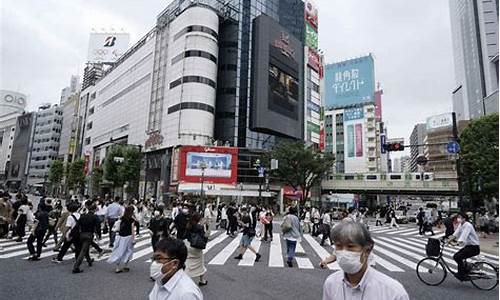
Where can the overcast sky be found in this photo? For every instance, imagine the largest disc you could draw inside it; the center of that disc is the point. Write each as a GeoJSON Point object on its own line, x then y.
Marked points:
{"type": "Point", "coordinates": [44, 42]}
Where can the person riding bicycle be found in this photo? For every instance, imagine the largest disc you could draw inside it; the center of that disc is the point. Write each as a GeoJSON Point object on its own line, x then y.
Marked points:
{"type": "Point", "coordinates": [466, 235]}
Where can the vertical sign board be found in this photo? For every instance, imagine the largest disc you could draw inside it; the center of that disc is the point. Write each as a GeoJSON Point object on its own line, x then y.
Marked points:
{"type": "Point", "coordinates": [311, 14]}
{"type": "Point", "coordinates": [378, 105]}
{"type": "Point", "coordinates": [350, 82]}
{"type": "Point", "coordinates": [350, 140]}
{"type": "Point", "coordinates": [311, 37]}
{"type": "Point", "coordinates": [359, 139]}
{"type": "Point", "coordinates": [353, 140]}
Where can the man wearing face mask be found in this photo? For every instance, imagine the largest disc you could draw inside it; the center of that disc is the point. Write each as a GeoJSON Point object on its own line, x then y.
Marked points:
{"type": "Point", "coordinates": [167, 269]}
{"type": "Point", "coordinates": [357, 280]}
{"type": "Point", "coordinates": [180, 222]}
{"type": "Point", "coordinates": [467, 236]}
{"type": "Point", "coordinates": [156, 228]}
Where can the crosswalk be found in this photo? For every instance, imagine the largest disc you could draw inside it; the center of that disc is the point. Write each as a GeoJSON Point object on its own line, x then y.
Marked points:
{"type": "Point", "coordinates": [404, 230]}
{"type": "Point", "coordinates": [394, 251]}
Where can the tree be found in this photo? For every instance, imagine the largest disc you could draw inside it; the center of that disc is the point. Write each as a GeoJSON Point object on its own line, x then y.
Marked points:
{"type": "Point", "coordinates": [97, 176]}
{"type": "Point", "coordinates": [119, 173]}
{"type": "Point", "coordinates": [56, 173]}
{"type": "Point", "coordinates": [479, 152]}
{"type": "Point", "coordinates": [75, 177]}
{"type": "Point", "coordinates": [301, 167]}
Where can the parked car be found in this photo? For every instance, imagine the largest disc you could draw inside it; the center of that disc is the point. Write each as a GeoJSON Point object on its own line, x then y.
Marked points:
{"type": "Point", "coordinates": [400, 217]}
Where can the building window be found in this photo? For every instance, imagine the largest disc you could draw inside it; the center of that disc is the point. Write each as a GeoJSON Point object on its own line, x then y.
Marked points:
{"type": "Point", "coordinates": [89, 125]}
{"type": "Point", "coordinates": [194, 53]}
{"type": "Point", "coordinates": [91, 111]}
{"type": "Point", "coordinates": [197, 28]}
{"type": "Point", "coordinates": [187, 79]}
{"type": "Point", "coordinates": [87, 141]}
{"type": "Point", "coordinates": [191, 105]}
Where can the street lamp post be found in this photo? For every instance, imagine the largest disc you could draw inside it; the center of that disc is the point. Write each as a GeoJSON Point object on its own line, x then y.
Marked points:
{"type": "Point", "coordinates": [261, 171]}
{"type": "Point", "coordinates": [203, 166]}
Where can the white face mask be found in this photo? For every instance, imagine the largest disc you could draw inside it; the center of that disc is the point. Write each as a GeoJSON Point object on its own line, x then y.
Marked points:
{"type": "Point", "coordinates": [155, 271]}
{"type": "Point", "coordinates": [185, 210]}
{"type": "Point", "coordinates": [349, 261]}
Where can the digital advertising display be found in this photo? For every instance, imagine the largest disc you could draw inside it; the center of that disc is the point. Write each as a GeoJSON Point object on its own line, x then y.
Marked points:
{"type": "Point", "coordinates": [277, 95]}
{"type": "Point", "coordinates": [214, 164]}
{"type": "Point", "coordinates": [350, 82]}
{"type": "Point", "coordinates": [311, 37]}
{"type": "Point", "coordinates": [311, 13]}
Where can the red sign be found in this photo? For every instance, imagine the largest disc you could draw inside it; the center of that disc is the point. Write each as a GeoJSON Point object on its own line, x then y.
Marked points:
{"type": "Point", "coordinates": [311, 14]}
{"type": "Point", "coordinates": [214, 164]}
{"type": "Point", "coordinates": [359, 140]}
{"type": "Point", "coordinates": [314, 60]}
{"type": "Point", "coordinates": [378, 105]}
{"type": "Point", "coordinates": [322, 137]}
{"type": "Point", "coordinates": [290, 192]}
{"type": "Point", "coordinates": [86, 164]}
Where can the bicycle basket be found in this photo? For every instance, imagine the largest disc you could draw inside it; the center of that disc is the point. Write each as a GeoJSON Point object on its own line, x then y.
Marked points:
{"type": "Point", "coordinates": [433, 247]}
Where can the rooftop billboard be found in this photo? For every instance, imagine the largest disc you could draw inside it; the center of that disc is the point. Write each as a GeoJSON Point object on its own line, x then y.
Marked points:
{"type": "Point", "coordinates": [350, 82]}
{"type": "Point", "coordinates": [107, 47]}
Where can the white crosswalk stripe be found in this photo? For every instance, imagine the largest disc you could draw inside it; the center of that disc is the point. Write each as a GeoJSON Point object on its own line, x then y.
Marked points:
{"type": "Point", "coordinates": [395, 251]}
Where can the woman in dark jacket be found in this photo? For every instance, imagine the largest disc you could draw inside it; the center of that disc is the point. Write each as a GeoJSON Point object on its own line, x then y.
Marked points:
{"type": "Point", "coordinates": [195, 242]}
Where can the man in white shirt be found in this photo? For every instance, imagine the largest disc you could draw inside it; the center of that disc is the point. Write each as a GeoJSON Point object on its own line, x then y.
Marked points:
{"type": "Point", "coordinates": [467, 236]}
{"type": "Point", "coordinates": [357, 280]}
{"type": "Point", "coordinates": [167, 270]}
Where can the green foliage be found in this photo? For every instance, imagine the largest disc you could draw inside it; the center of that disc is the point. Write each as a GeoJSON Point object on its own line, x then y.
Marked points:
{"type": "Point", "coordinates": [75, 176]}
{"type": "Point", "coordinates": [97, 177]}
{"type": "Point", "coordinates": [56, 172]}
{"type": "Point", "coordinates": [299, 166]}
{"type": "Point", "coordinates": [120, 172]}
{"type": "Point", "coordinates": [479, 152]}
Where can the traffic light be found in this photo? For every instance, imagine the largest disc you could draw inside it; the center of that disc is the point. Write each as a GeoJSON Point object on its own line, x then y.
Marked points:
{"type": "Point", "coordinates": [394, 147]}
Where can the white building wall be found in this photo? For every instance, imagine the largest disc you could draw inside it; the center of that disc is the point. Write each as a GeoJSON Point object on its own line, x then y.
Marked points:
{"type": "Point", "coordinates": [190, 126]}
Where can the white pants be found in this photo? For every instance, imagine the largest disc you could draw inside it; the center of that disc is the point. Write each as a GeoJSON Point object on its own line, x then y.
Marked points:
{"type": "Point", "coordinates": [394, 223]}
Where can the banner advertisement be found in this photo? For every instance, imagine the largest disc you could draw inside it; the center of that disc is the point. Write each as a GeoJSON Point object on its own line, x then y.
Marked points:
{"type": "Point", "coordinates": [322, 136]}
{"type": "Point", "coordinates": [439, 122]}
{"type": "Point", "coordinates": [313, 60]}
{"type": "Point", "coordinates": [353, 114]}
{"type": "Point", "coordinates": [311, 37]}
{"type": "Point", "coordinates": [378, 105]}
{"type": "Point", "coordinates": [350, 140]}
{"type": "Point", "coordinates": [311, 14]}
{"type": "Point", "coordinates": [214, 164]}
{"type": "Point", "coordinates": [350, 82]}
{"type": "Point", "coordinates": [107, 47]}
{"type": "Point", "coordinates": [314, 107]}
{"type": "Point", "coordinates": [313, 127]}
{"type": "Point", "coordinates": [359, 139]}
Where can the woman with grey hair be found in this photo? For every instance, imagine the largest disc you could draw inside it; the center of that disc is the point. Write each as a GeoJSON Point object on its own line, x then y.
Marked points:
{"type": "Point", "coordinates": [353, 245]}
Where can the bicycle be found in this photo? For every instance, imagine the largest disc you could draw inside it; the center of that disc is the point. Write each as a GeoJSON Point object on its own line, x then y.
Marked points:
{"type": "Point", "coordinates": [432, 270]}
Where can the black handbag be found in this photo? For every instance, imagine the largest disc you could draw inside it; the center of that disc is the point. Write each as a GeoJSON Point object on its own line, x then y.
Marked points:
{"type": "Point", "coordinates": [197, 241]}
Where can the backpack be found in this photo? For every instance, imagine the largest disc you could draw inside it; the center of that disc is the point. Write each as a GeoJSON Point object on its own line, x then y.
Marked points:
{"type": "Point", "coordinates": [286, 226]}
{"type": "Point", "coordinates": [75, 231]}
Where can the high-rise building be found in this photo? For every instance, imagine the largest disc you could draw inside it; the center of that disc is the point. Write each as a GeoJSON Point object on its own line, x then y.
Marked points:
{"type": "Point", "coordinates": [12, 105]}
{"type": "Point", "coordinates": [416, 138]}
{"type": "Point", "coordinates": [45, 146]}
{"type": "Point", "coordinates": [74, 87]}
{"type": "Point", "coordinates": [474, 26]}
{"type": "Point", "coordinates": [210, 72]}
{"type": "Point", "coordinates": [20, 155]}
{"type": "Point", "coordinates": [351, 135]}
{"type": "Point", "coordinates": [69, 129]}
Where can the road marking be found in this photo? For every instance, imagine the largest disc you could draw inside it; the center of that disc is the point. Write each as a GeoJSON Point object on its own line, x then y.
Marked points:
{"type": "Point", "coordinates": [411, 233]}
{"type": "Point", "coordinates": [401, 231]}
{"type": "Point", "coordinates": [304, 263]}
{"type": "Point", "coordinates": [222, 257]}
{"type": "Point", "coordinates": [299, 249]}
{"type": "Point", "coordinates": [275, 254]}
{"type": "Point", "coordinates": [248, 256]}
{"type": "Point", "coordinates": [322, 253]}
{"type": "Point", "coordinates": [396, 257]}
{"type": "Point", "coordinates": [143, 252]}
{"type": "Point", "coordinates": [387, 265]}
{"type": "Point", "coordinates": [215, 241]}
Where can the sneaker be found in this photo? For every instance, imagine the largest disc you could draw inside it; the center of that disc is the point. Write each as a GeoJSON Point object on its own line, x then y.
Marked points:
{"type": "Point", "coordinates": [33, 258]}
{"type": "Point", "coordinates": [258, 256]}
{"type": "Point", "coordinates": [239, 257]}
{"type": "Point", "coordinates": [76, 271]}
{"type": "Point", "coordinates": [90, 262]}
{"type": "Point", "coordinates": [57, 261]}
{"type": "Point", "coordinates": [289, 263]}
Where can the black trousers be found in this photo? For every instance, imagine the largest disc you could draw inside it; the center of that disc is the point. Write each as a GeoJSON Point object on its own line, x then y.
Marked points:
{"type": "Point", "coordinates": [86, 239]}
{"type": "Point", "coordinates": [154, 240]}
{"type": "Point", "coordinates": [326, 234]}
{"type": "Point", "coordinates": [315, 229]}
{"type": "Point", "coordinates": [21, 228]}
{"type": "Point", "coordinates": [38, 236]}
{"type": "Point", "coordinates": [233, 225]}
{"type": "Point", "coordinates": [4, 229]}
{"type": "Point", "coordinates": [421, 228]}
{"type": "Point", "coordinates": [268, 230]}
{"type": "Point", "coordinates": [52, 231]}
{"type": "Point", "coordinates": [65, 247]}
{"type": "Point", "coordinates": [464, 253]}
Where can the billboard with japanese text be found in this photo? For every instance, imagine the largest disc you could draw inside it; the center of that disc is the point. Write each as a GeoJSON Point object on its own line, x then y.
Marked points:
{"type": "Point", "coordinates": [213, 164]}
{"type": "Point", "coordinates": [350, 82]}
{"type": "Point", "coordinates": [311, 37]}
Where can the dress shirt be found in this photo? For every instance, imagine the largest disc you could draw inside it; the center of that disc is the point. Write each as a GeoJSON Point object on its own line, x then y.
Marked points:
{"type": "Point", "coordinates": [373, 286]}
{"type": "Point", "coordinates": [178, 287]}
{"type": "Point", "coordinates": [114, 211]}
{"type": "Point", "coordinates": [466, 234]}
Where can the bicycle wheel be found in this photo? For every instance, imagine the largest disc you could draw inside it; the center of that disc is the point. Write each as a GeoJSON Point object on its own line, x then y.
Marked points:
{"type": "Point", "coordinates": [431, 271]}
{"type": "Point", "coordinates": [484, 275]}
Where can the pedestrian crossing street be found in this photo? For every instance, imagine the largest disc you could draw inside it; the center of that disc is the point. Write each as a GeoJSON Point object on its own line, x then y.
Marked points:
{"type": "Point", "coordinates": [394, 251]}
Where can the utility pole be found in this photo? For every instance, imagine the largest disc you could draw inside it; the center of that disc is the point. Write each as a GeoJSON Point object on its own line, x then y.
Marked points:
{"type": "Point", "coordinates": [457, 162]}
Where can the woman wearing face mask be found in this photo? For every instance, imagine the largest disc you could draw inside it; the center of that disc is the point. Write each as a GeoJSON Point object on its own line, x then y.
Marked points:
{"type": "Point", "coordinates": [167, 270]}
{"type": "Point", "coordinates": [123, 249]}
{"type": "Point", "coordinates": [353, 245]}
